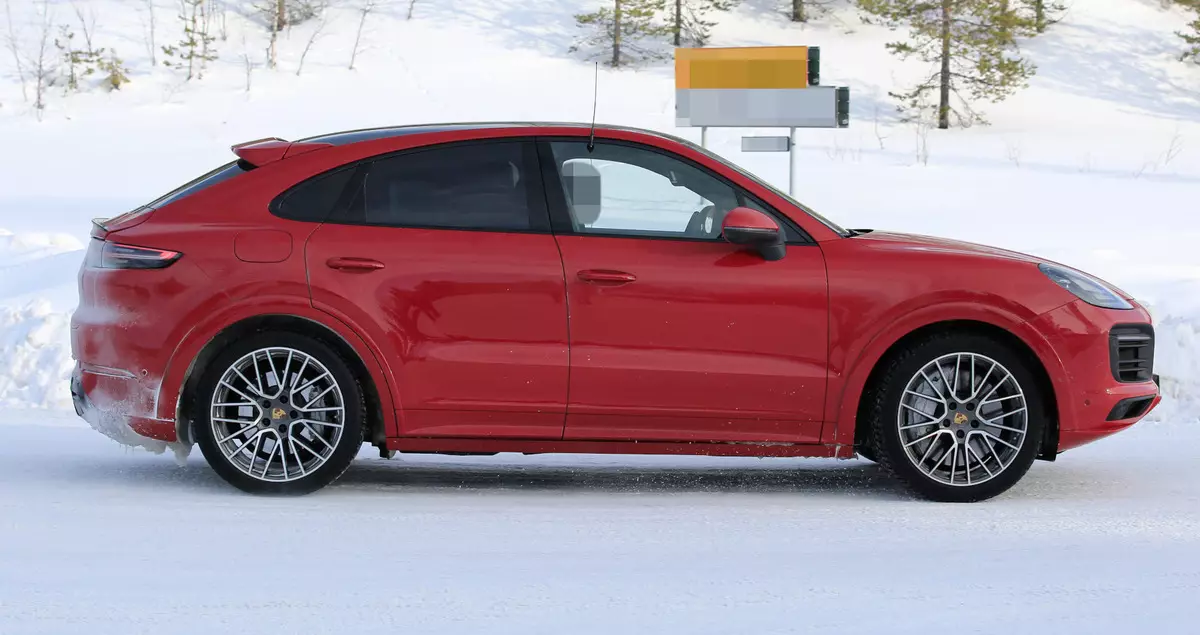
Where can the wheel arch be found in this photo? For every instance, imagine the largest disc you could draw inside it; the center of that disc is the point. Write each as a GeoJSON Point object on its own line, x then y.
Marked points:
{"type": "Point", "coordinates": [378, 418]}
{"type": "Point", "coordinates": [870, 369]}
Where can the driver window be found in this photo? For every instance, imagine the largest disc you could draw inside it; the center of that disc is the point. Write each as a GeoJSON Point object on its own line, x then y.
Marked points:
{"type": "Point", "coordinates": [623, 190]}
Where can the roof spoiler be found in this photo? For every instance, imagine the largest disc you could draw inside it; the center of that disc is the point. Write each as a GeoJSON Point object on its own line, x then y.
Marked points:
{"type": "Point", "coordinates": [271, 149]}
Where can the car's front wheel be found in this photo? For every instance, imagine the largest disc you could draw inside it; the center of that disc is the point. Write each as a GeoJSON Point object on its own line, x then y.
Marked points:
{"type": "Point", "coordinates": [957, 417]}
{"type": "Point", "coordinates": [280, 413]}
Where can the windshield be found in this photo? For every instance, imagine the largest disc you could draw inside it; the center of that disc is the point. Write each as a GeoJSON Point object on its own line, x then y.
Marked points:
{"type": "Point", "coordinates": [746, 173]}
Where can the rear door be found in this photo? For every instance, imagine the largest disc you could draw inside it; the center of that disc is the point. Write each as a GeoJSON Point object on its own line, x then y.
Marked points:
{"type": "Point", "coordinates": [443, 257]}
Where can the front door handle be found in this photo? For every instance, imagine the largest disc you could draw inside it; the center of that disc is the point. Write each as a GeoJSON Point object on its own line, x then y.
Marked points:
{"type": "Point", "coordinates": [354, 264]}
{"type": "Point", "coordinates": [606, 277]}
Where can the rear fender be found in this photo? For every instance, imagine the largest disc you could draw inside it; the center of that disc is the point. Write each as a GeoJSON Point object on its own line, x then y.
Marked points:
{"type": "Point", "coordinates": [179, 367]}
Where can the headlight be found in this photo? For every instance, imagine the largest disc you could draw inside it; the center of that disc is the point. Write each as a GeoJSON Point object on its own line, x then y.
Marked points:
{"type": "Point", "coordinates": [1085, 287]}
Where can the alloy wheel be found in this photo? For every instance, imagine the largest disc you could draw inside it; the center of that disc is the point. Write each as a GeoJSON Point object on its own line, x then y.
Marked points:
{"type": "Point", "coordinates": [277, 414]}
{"type": "Point", "coordinates": [963, 419]}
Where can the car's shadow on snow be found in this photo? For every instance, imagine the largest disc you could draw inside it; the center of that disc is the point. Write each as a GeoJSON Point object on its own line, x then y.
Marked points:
{"type": "Point", "coordinates": [849, 478]}
{"type": "Point", "coordinates": [426, 474]}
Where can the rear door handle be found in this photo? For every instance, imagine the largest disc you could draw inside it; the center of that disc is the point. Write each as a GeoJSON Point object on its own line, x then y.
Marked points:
{"type": "Point", "coordinates": [606, 277]}
{"type": "Point", "coordinates": [354, 264]}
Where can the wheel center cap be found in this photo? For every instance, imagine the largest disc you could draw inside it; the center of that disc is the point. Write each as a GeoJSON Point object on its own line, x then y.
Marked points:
{"type": "Point", "coordinates": [961, 418]}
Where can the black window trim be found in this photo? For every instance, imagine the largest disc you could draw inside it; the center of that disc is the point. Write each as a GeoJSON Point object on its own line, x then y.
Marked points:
{"type": "Point", "coordinates": [561, 219]}
{"type": "Point", "coordinates": [193, 187]}
{"type": "Point", "coordinates": [539, 218]}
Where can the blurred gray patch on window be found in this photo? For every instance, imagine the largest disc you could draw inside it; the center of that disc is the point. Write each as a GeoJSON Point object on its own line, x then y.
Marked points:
{"type": "Point", "coordinates": [581, 180]}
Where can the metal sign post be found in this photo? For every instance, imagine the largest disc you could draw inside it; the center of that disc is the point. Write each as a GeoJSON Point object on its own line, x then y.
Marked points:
{"type": "Point", "coordinates": [792, 162]}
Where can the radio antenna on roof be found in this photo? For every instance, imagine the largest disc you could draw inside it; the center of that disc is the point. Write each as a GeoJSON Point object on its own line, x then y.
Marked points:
{"type": "Point", "coordinates": [595, 97]}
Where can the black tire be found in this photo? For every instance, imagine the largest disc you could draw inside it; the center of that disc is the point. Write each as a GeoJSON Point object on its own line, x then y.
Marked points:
{"type": "Point", "coordinates": [867, 452]}
{"type": "Point", "coordinates": [883, 402]}
{"type": "Point", "coordinates": [344, 450]}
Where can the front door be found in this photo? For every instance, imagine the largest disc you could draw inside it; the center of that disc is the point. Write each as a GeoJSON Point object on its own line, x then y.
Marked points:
{"type": "Point", "coordinates": [443, 257]}
{"type": "Point", "coordinates": [675, 334]}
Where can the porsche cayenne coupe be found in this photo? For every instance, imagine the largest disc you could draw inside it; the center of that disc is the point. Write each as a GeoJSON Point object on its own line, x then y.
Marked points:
{"type": "Point", "coordinates": [554, 288]}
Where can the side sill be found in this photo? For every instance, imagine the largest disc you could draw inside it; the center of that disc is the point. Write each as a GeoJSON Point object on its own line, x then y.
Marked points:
{"type": "Point", "coordinates": [455, 445]}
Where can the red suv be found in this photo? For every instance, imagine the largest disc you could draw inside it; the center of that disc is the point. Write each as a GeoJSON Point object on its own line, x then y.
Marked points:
{"type": "Point", "coordinates": [534, 288]}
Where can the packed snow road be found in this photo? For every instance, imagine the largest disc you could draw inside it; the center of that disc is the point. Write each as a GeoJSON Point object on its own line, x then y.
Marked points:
{"type": "Point", "coordinates": [96, 539]}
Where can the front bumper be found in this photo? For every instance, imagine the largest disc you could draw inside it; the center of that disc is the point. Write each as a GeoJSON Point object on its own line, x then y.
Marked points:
{"type": "Point", "coordinates": [1092, 402]}
{"type": "Point", "coordinates": [113, 403]}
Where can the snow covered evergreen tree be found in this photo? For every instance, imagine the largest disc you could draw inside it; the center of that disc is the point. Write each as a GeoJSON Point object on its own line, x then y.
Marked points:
{"type": "Point", "coordinates": [195, 50]}
{"type": "Point", "coordinates": [1191, 36]}
{"type": "Point", "coordinates": [1043, 13]}
{"type": "Point", "coordinates": [689, 20]}
{"type": "Point", "coordinates": [971, 46]}
{"type": "Point", "coordinates": [623, 33]}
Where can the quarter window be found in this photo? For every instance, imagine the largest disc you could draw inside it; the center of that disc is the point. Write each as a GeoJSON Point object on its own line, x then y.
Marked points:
{"type": "Point", "coordinates": [314, 199]}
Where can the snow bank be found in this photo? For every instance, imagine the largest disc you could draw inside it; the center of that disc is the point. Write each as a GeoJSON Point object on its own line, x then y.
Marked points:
{"type": "Point", "coordinates": [1176, 311]}
{"type": "Point", "coordinates": [35, 356]}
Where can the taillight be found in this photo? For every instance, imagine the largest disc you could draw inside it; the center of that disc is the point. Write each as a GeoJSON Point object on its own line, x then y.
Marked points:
{"type": "Point", "coordinates": [109, 255]}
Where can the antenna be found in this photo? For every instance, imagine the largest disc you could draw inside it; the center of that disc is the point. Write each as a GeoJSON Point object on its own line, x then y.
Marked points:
{"type": "Point", "coordinates": [595, 97]}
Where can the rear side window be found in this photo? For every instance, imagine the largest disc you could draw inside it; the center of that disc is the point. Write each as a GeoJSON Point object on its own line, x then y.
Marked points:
{"type": "Point", "coordinates": [314, 199]}
{"type": "Point", "coordinates": [223, 173]}
{"type": "Point", "coordinates": [481, 186]}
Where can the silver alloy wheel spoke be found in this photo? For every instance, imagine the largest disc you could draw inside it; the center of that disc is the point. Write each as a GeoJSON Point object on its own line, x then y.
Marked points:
{"type": "Point", "coordinates": [242, 424]}
{"type": "Point", "coordinates": [976, 438]}
{"type": "Point", "coordinates": [920, 396]}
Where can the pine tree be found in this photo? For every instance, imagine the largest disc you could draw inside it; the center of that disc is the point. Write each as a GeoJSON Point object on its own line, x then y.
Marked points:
{"type": "Point", "coordinates": [689, 23]}
{"type": "Point", "coordinates": [78, 62]}
{"type": "Point", "coordinates": [970, 44]}
{"type": "Point", "coordinates": [1191, 37]}
{"type": "Point", "coordinates": [799, 12]}
{"type": "Point", "coordinates": [1043, 13]}
{"type": "Point", "coordinates": [625, 32]}
{"type": "Point", "coordinates": [115, 73]}
{"type": "Point", "coordinates": [194, 51]}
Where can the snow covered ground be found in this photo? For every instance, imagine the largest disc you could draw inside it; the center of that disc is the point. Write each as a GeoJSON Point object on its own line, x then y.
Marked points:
{"type": "Point", "coordinates": [96, 540]}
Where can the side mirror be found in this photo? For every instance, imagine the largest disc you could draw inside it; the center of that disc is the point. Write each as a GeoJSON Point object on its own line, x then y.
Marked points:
{"type": "Point", "coordinates": [754, 229]}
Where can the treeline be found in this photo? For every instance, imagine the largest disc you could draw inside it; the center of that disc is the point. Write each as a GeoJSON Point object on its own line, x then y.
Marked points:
{"type": "Point", "coordinates": [56, 48]}
{"type": "Point", "coordinates": [972, 46]}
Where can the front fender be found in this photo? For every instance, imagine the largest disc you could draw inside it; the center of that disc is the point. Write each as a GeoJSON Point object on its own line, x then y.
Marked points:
{"type": "Point", "coordinates": [862, 353]}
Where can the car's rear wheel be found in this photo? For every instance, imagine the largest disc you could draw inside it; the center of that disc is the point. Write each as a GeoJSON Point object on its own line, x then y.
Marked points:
{"type": "Point", "coordinates": [280, 413]}
{"type": "Point", "coordinates": [957, 417]}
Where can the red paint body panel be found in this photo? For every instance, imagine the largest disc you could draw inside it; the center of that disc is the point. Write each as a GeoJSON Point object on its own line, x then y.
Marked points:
{"type": "Point", "coordinates": [264, 151]}
{"type": "Point", "coordinates": [681, 354]}
{"type": "Point", "coordinates": [748, 218]}
{"type": "Point", "coordinates": [1085, 386]}
{"type": "Point", "coordinates": [470, 323]}
{"type": "Point", "coordinates": [495, 342]}
{"type": "Point", "coordinates": [263, 245]}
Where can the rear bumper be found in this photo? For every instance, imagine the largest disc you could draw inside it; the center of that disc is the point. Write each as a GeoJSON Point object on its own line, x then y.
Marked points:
{"type": "Point", "coordinates": [114, 404]}
{"type": "Point", "coordinates": [1092, 402]}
